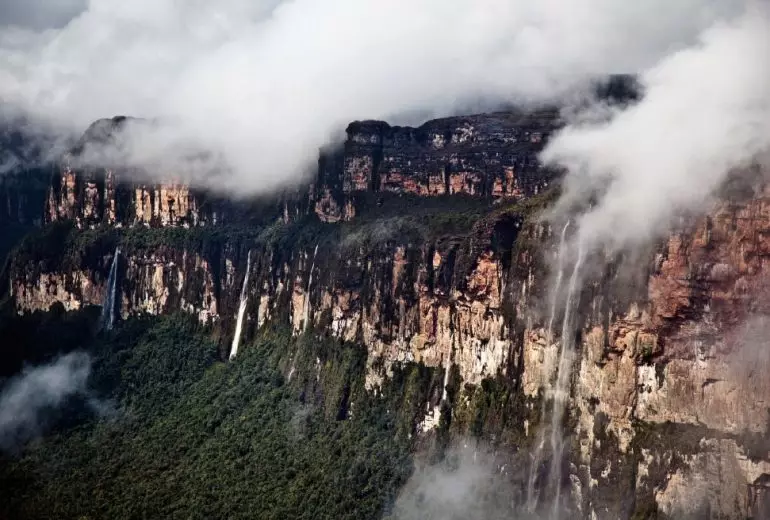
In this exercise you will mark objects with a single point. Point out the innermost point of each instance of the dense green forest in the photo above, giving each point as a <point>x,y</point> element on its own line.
<point>284,431</point>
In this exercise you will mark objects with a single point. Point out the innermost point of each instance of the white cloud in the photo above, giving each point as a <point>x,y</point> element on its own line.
<point>265,83</point>
<point>469,483</point>
<point>25,398</point>
<point>706,111</point>
<point>39,14</point>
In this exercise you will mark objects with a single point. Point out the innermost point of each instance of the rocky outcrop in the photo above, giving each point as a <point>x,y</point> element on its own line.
<point>73,290</point>
<point>489,156</point>
<point>685,347</point>
<point>437,303</point>
<point>99,197</point>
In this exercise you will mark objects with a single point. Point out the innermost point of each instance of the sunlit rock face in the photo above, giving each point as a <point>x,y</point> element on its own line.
<point>72,290</point>
<point>163,281</point>
<point>92,198</point>
<point>669,391</point>
<point>88,190</point>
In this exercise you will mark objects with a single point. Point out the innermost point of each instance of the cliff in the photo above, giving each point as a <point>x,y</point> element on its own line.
<point>669,394</point>
<point>490,156</point>
<point>425,246</point>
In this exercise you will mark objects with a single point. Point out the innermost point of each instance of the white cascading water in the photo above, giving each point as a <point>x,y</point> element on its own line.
<point>241,309</point>
<point>561,390</point>
<point>531,503</point>
<point>559,277</point>
<point>306,313</point>
<point>447,368</point>
<point>108,307</point>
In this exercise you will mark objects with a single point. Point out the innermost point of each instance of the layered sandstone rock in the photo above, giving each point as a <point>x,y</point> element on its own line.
<point>149,283</point>
<point>491,156</point>
<point>73,290</point>
<point>93,198</point>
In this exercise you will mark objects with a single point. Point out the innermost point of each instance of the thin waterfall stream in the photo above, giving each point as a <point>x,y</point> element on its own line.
<point>537,459</point>
<point>241,309</point>
<point>108,307</point>
<point>562,387</point>
<point>306,312</point>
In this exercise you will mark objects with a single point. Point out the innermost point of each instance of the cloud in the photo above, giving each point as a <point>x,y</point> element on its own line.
<point>468,484</point>
<point>261,85</point>
<point>26,144</point>
<point>27,398</point>
<point>705,112</point>
<point>39,14</point>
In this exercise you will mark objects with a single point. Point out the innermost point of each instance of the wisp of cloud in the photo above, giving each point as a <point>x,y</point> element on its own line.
<point>26,398</point>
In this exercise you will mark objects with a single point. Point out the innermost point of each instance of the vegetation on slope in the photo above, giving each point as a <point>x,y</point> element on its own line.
<point>191,437</point>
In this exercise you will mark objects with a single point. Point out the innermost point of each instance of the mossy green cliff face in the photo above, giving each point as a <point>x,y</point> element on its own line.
<point>424,248</point>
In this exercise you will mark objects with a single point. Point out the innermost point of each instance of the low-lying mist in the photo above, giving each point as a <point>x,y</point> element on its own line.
<point>29,399</point>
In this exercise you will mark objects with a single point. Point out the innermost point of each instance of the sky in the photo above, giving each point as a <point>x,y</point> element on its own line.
<point>261,85</point>
<point>39,14</point>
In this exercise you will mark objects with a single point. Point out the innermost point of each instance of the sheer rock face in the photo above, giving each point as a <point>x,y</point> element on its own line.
<point>93,195</point>
<point>73,290</point>
<point>690,351</point>
<point>697,345</point>
<point>393,301</point>
<point>491,156</point>
<point>94,198</point>
<point>152,283</point>
<point>669,392</point>
<point>423,323</point>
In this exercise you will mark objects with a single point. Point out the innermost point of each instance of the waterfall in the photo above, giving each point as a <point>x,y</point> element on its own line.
<point>447,369</point>
<point>241,309</point>
<point>561,390</point>
<point>561,387</point>
<point>555,291</point>
<point>108,307</point>
<point>306,317</point>
<point>559,276</point>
